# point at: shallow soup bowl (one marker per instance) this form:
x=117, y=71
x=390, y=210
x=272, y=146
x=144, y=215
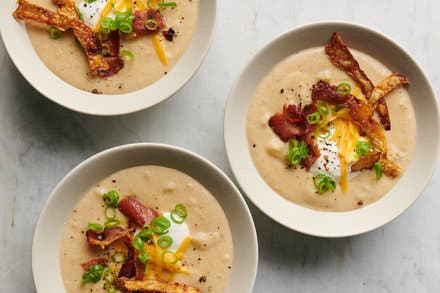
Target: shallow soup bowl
x=26, y=60
x=59, y=206
x=333, y=224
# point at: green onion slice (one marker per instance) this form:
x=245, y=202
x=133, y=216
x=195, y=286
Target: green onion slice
x=344, y=88
x=169, y=258
x=323, y=108
x=179, y=214
x=111, y=223
x=378, y=170
x=110, y=213
x=111, y=198
x=314, y=118
x=324, y=183
x=94, y=274
x=165, y=241
x=362, y=148
x=106, y=22
x=109, y=275
x=54, y=33
x=96, y=227
x=138, y=243
x=161, y=225
x=151, y=24
x=91, y=1
x=118, y=256
x=109, y=287
x=297, y=151
x=324, y=133
x=127, y=54
x=80, y=15
x=146, y=234
x=143, y=257
x=167, y=4
x=125, y=27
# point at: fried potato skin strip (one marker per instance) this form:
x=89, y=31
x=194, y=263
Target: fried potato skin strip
x=340, y=56
x=366, y=162
x=159, y=286
x=33, y=13
x=383, y=88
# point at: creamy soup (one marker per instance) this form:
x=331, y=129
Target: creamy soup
x=290, y=82
x=208, y=258
x=68, y=61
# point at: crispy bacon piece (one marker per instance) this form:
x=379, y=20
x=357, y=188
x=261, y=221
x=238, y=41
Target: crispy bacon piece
x=96, y=261
x=169, y=34
x=366, y=162
x=290, y=123
x=102, y=66
x=390, y=169
x=340, y=56
x=107, y=237
x=313, y=151
x=141, y=16
x=323, y=91
x=158, y=286
x=136, y=211
x=128, y=269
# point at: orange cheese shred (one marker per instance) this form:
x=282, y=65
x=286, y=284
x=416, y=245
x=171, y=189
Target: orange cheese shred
x=160, y=51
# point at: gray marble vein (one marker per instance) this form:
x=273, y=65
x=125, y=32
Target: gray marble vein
x=40, y=142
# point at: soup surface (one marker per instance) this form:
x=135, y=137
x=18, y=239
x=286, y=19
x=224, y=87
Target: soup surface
x=290, y=82
x=68, y=61
x=208, y=258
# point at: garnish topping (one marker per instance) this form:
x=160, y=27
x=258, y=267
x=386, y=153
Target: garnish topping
x=324, y=183
x=179, y=214
x=165, y=241
x=363, y=148
x=111, y=198
x=54, y=33
x=378, y=170
x=161, y=225
x=297, y=151
x=96, y=227
x=93, y=275
x=344, y=88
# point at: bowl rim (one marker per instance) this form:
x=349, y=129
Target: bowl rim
x=236, y=171
x=166, y=147
x=142, y=99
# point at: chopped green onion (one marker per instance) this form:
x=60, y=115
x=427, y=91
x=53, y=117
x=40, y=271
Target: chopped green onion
x=146, y=234
x=106, y=22
x=91, y=1
x=323, y=108
x=118, y=256
x=161, y=225
x=165, y=241
x=125, y=27
x=151, y=24
x=127, y=54
x=109, y=275
x=297, y=152
x=378, y=170
x=179, y=214
x=109, y=287
x=54, y=33
x=167, y=4
x=94, y=274
x=111, y=223
x=314, y=118
x=80, y=15
x=96, y=227
x=324, y=183
x=143, y=257
x=138, y=243
x=344, y=88
x=324, y=135
x=169, y=258
x=110, y=213
x=362, y=148
x=111, y=198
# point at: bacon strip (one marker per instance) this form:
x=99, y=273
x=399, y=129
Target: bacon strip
x=102, y=66
x=152, y=285
x=96, y=261
x=107, y=237
x=366, y=162
x=136, y=211
x=141, y=16
x=128, y=269
x=290, y=123
x=389, y=168
x=323, y=91
x=340, y=56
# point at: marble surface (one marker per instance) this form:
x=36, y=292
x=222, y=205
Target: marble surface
x=40, y=142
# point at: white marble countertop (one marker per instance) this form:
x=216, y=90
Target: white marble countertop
x=40, y=142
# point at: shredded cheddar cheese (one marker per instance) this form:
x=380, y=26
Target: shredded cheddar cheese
x=183, y=246
x=159, y=49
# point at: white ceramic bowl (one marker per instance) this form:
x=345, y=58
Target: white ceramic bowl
x=48, y=84
x=330, y=224
x=46, y=243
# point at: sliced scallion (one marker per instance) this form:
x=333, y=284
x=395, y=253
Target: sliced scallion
x=165, y=241
x=344, y=88
x=54, y=33
x=378, y=170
